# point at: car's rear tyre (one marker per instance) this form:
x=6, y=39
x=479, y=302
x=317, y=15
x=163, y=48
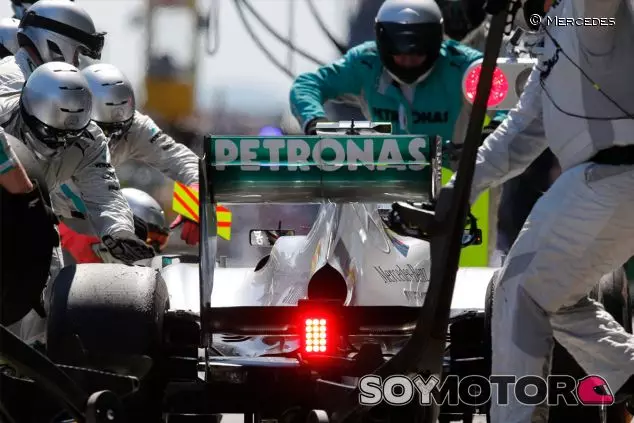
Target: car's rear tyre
x=613, y=292
x=112, y=313
x=106, y=309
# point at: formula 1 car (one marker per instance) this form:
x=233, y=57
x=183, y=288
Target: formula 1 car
x=185, y=339
x=217, y=336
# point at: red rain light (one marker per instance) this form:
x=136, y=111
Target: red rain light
x=316, y=335
x=499, y=86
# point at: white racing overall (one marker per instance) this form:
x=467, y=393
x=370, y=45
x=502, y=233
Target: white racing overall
x=583, y=227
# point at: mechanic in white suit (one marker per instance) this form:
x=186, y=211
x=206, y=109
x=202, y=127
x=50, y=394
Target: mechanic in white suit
x=52, y=30
x=131, y=135
x=579, y=101
x=52, y=117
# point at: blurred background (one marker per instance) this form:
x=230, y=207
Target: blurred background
x=225, y=66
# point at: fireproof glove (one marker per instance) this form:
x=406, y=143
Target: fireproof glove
x=190, y=232
x=127, y=247
x=311, y=127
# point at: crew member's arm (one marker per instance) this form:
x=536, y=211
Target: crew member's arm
x=146, y=142
x=515, y=143
x=311, y=90
x=107, y=209
x=13, y=177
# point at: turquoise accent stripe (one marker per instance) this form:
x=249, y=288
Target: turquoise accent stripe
x=77, y=202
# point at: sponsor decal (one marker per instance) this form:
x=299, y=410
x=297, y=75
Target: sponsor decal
x=328, y=154
x=407, y=273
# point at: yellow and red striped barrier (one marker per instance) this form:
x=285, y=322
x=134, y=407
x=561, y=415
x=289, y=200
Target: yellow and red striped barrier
x=186, y=203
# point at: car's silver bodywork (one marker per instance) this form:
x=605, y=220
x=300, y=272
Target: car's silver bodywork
x=378, y=267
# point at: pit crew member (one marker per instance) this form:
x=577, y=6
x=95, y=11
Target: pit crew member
x=54, y=122
x=132, y=135
x=52, y=30
x=579, y=101
x=409, y=76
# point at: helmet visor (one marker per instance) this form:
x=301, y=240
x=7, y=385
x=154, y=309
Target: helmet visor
x=408, y=39
x=53, y=138
x=115, y=130
x=91, y=44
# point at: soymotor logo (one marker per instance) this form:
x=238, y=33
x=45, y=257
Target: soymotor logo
x=477, y=390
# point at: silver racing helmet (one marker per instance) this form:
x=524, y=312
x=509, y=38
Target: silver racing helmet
x=8, y=37
x=113, y=103
x=60, y=30
x=55, y=106
x=148, y=213
x=20, y=6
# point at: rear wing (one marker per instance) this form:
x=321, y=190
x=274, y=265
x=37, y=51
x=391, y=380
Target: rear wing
x=295, y=169
x=334, y=168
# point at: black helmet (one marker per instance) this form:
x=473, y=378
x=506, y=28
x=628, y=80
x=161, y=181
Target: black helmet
x=409, y=27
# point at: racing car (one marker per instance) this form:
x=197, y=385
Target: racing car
x=186, y=340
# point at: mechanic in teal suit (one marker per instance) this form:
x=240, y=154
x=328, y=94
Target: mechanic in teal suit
x=409, y=76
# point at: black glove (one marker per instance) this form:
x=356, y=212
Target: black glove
x=127, y=247
x=311, y=126
x=493, y=7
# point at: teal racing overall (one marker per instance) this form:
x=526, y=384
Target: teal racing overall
x=434, y=106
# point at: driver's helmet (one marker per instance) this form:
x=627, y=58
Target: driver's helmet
x=148, y=212
x=55, y=106
x=113, y=103
x=8, y=37
x=409, y=34
x=60, y=30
